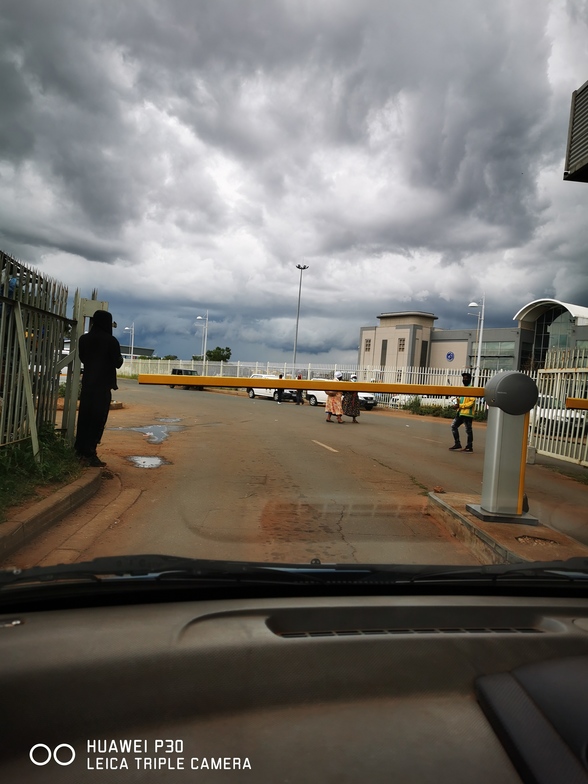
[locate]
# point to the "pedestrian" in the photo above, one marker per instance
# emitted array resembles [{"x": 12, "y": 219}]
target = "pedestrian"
[
  {"x": 333, "y": 404},
  {"x": 299, "y": 398},
  {"x": 350, "y": 403},
  {"x": 99, "y": 352},
  {"x": 464, "y": 416},
  {"x": 280, "y": 391}
]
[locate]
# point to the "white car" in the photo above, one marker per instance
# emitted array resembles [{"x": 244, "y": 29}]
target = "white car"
[
  {"x": 266, "y": 392},
  {"x": 551, "y": 416},
  {"x": 319, "y": 397}
]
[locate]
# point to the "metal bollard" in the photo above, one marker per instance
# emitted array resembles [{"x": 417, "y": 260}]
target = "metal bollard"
[{"x": 510, "y": 396}]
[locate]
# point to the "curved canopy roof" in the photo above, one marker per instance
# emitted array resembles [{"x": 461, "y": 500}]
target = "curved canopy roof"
[{"x": 533, "y": 310}]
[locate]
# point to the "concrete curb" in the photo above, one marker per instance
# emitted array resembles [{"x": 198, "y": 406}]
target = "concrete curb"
[
  {"x": 25, "y": 525},
  {"x": 502, "y": 542}
]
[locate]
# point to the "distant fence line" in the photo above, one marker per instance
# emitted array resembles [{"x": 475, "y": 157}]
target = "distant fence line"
[{"x": 402, "y": 375}]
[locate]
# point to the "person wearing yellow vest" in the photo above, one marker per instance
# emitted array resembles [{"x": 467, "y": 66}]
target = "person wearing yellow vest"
[{"x": 465, "y": 416}]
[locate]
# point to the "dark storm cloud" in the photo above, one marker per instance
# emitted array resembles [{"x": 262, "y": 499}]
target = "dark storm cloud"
[{"x": 398, "y": 147}]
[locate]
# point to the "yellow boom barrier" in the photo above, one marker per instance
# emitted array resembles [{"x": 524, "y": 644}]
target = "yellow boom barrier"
[
  {"x": 436, "y": 390},
  {"x": 579, "y": 403}
]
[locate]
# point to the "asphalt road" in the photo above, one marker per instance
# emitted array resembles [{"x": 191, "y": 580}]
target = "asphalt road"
[{"x": 251, "y": 479}]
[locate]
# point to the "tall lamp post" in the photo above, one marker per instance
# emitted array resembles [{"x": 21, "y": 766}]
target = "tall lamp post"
[
  {"x": 301, "y": 267},
  {"x": 131, "y": 329},
  {"x": 480, "y": 315},
  {"x": 204, "y": 340}
]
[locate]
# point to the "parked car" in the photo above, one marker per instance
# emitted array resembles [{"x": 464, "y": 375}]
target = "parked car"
[
  {"x": 319, "y": 397},
  {"x": 183, "y": 372},
  {"x": 551, "y": 416},
  {"x": 287, "y": 394}
]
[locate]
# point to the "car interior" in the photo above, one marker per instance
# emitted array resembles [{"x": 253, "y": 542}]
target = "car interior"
[{"x": 413, "y": 687}]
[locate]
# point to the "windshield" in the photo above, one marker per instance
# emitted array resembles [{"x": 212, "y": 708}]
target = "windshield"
[{"x": 258, "y": 268}]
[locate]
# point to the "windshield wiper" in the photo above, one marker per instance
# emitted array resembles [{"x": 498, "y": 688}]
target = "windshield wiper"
[
  {"x": 574, "y": 569},
  {"x": 169, "y": 568}
]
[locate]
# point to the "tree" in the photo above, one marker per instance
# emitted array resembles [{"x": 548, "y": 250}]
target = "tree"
[
  {"x": 170, "y": 356},
  {"x": 218, "y": 354},
  {"x": 197, "y": 358}
]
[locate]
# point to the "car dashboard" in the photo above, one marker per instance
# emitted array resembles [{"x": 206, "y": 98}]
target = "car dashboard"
[{"x": 318, "y": 689}]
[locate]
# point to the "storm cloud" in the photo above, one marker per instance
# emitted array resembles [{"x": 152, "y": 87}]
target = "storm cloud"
[{"x": 183, "y": 156}]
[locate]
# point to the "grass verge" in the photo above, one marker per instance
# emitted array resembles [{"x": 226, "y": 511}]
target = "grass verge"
[
  {"x": 21, "y": 476},
  {"x": 416, "y": 406}
]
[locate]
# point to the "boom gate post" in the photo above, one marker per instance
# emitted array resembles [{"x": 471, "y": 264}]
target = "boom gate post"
[{"x": 510, "y": 396}]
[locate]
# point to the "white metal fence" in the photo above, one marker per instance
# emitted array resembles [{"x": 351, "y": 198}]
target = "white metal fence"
[
  {"x": 555, "y": 430},
  {"x": 403, "y": 375}
]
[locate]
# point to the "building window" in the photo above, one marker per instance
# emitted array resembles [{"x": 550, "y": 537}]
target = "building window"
[
  {"x": 368, "y": 345},
  {"x": 383, "y": 353},
  {"x": 401, "y": 344},
  {"x": 495, "y": 355}
]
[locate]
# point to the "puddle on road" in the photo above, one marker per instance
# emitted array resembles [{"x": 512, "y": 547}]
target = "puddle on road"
[
  {"x": 147, "y": 462},
  {"x": 156, "y": 434}
]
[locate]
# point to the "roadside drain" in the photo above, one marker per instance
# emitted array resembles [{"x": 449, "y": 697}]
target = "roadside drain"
[
  {"x": 535, "y": 540},
  {"x": 147, "y": 462}
]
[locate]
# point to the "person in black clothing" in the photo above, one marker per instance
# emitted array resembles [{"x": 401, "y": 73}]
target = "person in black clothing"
[
  {"x": 299, "y": 398},
  {"x": 99, "y": 352}
]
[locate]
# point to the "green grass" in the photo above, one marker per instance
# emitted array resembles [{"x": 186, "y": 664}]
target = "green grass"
[{"x": 21, "y": 476}]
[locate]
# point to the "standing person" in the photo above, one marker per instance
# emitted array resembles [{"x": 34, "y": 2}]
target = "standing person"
[
  {"x": 333, "y": 405},
  {"x": 99, "y": 352},
  {"x": 350, "y": 403},
  {"x": 299, "y": 398},
  {"x": 280, "y": 391},
  {"x": 464, "y": 416}
]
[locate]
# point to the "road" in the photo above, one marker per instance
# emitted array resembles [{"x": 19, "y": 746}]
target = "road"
[{"x": 254, "y": 480}]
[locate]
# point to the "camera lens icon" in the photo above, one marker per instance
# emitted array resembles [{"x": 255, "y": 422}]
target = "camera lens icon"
[{"x": 40, "y": 754}]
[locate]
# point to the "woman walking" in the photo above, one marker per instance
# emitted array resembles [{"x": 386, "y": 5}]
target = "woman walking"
[
  {"x": 350, "y": 403},
  {"x": 333, "y": 404}
]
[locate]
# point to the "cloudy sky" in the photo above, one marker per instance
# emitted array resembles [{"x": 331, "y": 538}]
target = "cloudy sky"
[{"x": 185, "y": 155}]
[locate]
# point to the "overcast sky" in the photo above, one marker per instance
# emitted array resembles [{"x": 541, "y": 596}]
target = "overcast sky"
[{"x": 185, "y": 155}]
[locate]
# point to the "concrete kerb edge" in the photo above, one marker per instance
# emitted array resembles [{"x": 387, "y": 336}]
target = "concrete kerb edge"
[
  {"x": 26, "y": 525},
  {"x": 479, "y": 541},
  {"x": 496, "y": 549}
]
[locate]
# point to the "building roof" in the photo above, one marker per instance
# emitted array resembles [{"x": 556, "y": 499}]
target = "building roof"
[
  {"x": 534, "y": 309},
  {"x": 398, "y": 313}
]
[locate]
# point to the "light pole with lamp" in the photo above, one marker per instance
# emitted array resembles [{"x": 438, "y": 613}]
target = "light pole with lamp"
[
  {"x": 301, "y": 267},
  {"x": 204, "y": 340},
  {"x": 131, "y": 329},
  {"x": 480, "y": 315}
]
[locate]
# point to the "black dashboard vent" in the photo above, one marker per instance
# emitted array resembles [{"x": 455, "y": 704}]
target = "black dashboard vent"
[{"x": 407, "y": 631}]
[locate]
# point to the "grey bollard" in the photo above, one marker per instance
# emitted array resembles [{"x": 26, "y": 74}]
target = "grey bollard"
[{"x": 510, "y": 396}]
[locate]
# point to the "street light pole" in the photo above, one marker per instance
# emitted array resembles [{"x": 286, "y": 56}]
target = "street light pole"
[
  {"x": 301, "y": 267},
  {"x": 204, "y": 340},
  {"x": 131, "y": 329},
  {"x": 480, "y": 316}
]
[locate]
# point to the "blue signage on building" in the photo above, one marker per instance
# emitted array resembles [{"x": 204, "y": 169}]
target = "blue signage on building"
[{"x": 450, "y": 356}]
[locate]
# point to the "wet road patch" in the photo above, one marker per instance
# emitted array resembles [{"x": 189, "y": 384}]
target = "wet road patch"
[
  {"x": 147, "y": 462},
  {"x": 156, "y": 434}
]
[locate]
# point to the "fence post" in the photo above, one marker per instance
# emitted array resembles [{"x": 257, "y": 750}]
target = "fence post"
[{"x": 26, "y": 376}]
